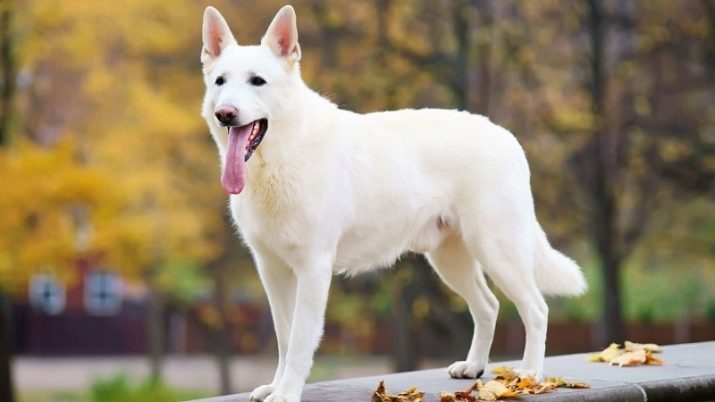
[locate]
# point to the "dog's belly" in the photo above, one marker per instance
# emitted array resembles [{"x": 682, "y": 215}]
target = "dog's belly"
[{"x": 371, "y": 246}]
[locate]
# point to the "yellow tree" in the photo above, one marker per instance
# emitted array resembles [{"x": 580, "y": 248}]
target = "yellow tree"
[{"x": 111, "y": 161}]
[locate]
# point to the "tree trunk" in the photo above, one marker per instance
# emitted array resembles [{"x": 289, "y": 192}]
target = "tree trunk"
[
  {"x": 461, "y": 65},
  {"x": 7, "y": 71},
  {"x": 7, "y": 393},
  {"x": 383, "y": 53},
  {"x": 404, "y": 356},
  {"x": 603, "y": 202},
  {"x": 156, "y": 336},
  {"x": 222, "y": 335},
  {"x": 613, "y": 314},
  {"x": 484, "y": 58},
  {"x": 7, "y": 94}
]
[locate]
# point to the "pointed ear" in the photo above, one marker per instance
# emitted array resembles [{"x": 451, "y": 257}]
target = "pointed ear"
[
  {"x": 282, "y": 35},
  {"x": 216, "y": 35}
]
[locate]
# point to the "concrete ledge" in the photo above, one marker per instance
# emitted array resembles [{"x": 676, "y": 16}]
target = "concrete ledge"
[{"x": 688, "y": 374}]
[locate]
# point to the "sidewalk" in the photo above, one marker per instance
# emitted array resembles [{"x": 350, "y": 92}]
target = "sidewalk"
[
  {"x": 688, "y": 373},
  {"x": 185, "y": 372}
]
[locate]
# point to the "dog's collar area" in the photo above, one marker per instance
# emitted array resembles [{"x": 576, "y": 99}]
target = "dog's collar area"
[{"x": 258, "y": 131}]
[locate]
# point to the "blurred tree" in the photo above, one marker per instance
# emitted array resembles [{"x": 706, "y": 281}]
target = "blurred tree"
[
  {"x": 7, "y": 95},
  {"x": 627, "y": 91},
  {"x": 618, "y": 117},
  {"x": 110, "y": 167},
  {"x": 110, "y": 162},
  {"x": 7, "y": 70}
]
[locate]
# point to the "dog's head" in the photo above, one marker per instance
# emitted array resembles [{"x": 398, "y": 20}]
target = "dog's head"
[{"x": 246, "y": 87}]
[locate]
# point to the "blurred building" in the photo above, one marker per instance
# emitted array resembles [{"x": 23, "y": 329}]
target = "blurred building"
[
  {"x": 96, "y": 315},
  {"x": 102, "y": 314}
]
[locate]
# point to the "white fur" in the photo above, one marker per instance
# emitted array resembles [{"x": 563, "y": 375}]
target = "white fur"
[{"x": 330, "y": 190}]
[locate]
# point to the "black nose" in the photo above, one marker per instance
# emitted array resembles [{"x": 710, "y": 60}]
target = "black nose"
[{"x": 226, "y": 114}]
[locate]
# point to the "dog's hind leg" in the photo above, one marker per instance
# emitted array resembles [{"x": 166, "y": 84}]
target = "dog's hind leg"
[
  {"x": 500, "y": 232},
  {"x": 280, "y": 285},
  {"x": 520, "y": 287},
  {"x": 460, "y": 271}
]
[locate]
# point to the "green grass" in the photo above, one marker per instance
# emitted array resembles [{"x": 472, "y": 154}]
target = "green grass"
[
  {"x": 114, "y": 394},
  {"x": 53, "y": 396}
]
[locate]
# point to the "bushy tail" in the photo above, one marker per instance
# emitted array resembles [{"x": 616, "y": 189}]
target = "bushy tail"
[{"x": 556, "y": 274}]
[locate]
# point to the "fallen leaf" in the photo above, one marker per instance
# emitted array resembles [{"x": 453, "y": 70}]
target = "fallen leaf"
[
  {"x": 541, "y": 388},
  {"x": 632, "y": 354},
  {"x": 377, "y": 396},
  {"x": 508, "y": 384},
  {"x": 606, "y": 355},
  {"x": 465, "y": 396},
  {"x": 629, "y": 359},
  {"x": 497, "y": 389},
  {"x": 409, "y": 395},
  {"x": 648, "y": 347},
  {"x": 651, "y": 359},
  {"x": 560, "y": 382},
  {"x": 526, "y": 383},
  {"x": 505, "y": 372},
  {"x": 447, "y": 397}
]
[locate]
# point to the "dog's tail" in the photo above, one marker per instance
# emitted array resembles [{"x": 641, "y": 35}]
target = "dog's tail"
[{"x": 556, "y": 274}]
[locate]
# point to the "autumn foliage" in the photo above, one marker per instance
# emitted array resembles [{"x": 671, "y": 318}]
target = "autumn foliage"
[{"x": 109, "y": 162}]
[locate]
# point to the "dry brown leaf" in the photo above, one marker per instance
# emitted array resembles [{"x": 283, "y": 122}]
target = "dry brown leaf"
[
  {"x": 377, "y": 396},
  {"x": 560, "y": 382},
  {"x": 652, "y": 359},
  {"x": 497, "y": 390},
  {"x": 526, "y": 383},
  {"x": 629, "y": 359},
  {"x": 541, "y": 388},
  {"x": 507, "y": 385},
  {"x": 447, "y": 397},
  {"x": 463, "y": 396},
  {"x": 648, "y": 347},
  {"x": 606, "y": 355},
  {"x": 486, "y": 395},
  {"x": 632, "y": 354},
  {"x": 505, "y": 372},
  {"x": 409, "y": 395}
]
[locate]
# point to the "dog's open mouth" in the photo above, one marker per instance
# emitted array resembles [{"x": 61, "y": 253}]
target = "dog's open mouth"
[
  {"x": 242, "y": 141},
  {"x": 258, "y": 130}
]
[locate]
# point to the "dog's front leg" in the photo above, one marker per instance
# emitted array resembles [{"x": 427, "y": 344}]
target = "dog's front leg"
[
  {"x": 280, "y": 285},
  {"x": 308, "y": 318}
]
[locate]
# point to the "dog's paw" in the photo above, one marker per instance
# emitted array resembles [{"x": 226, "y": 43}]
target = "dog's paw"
[
  {"x": 528, "y": 373},
  {"x": 260, "y": 393},
  {"x": 465, "y": 370},
  {"x": 281, "y": 398}
]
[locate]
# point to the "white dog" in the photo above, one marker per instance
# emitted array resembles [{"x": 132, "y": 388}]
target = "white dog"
[{"x": 330, "y": 190}]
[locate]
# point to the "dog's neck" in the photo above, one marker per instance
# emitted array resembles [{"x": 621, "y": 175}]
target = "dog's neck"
[{"x": 300, "y": 122}]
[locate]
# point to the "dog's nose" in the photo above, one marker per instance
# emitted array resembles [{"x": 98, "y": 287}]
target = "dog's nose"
[{"x": 226, "y": 114}]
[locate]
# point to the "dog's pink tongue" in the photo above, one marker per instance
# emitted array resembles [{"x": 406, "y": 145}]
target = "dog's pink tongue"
[{"x": 233, "y": 177}]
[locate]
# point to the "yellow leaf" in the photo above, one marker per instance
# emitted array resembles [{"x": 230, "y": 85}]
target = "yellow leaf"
[
  {"x": 559, "y": 382},
  {"x": 629, "y": 358},
  {"x": 505, "y": 372},
  {"x": 606, "y": 355},
  {"x": 497, "y": 389},
  {"x": 651, "y": 359},
  {"x": 648, "y": 347}
]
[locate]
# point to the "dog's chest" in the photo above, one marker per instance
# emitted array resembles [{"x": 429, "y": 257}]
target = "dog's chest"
[
  {"x": 276, "y": 207},
  {"x": 269, "y": 198}
]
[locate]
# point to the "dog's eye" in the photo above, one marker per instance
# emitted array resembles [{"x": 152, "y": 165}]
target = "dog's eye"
[
  {"x": 257, "y": 81},
  {"x": 220, "y": 81}
]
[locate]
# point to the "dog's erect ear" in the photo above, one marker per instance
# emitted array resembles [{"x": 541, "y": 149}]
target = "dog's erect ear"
[
  {"x": 216, "y": 35},
  {"x": 282, "y": 35}
]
